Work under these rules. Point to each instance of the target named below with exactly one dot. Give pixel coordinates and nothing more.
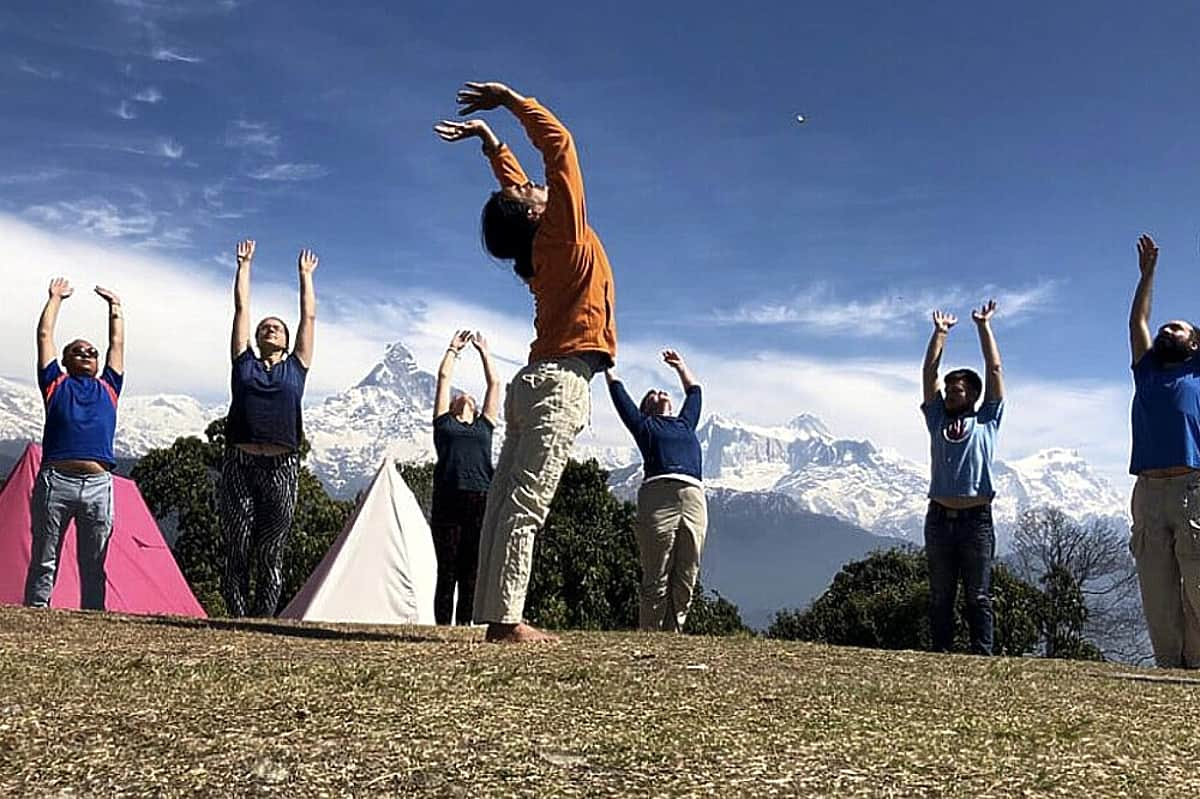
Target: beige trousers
(1166, 523)
(545, 408)
(672, 518)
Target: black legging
(257, 500)
(456, 519)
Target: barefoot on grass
(518, 634)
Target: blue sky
(950, 154)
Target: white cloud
(252, 135)
(32, 176)
(178, 314)
(169, 238)
(96, 216)
(290, 171)
(125, 111)
(149, 95)
(45, 73)
(817, 309)
(179, 318)
(169, 148)
(167, 54)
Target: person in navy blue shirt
(1166, 460)
(261, 472)
(75, 480)
(672, 512)
(960, 540)
(462, 436)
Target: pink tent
(142, 574)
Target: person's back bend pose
(75, 480)
(462, 436)
(544, 231)
(261, 473)
(960, 540)
(1166, 460)
(672, 512)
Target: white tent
(381, 569)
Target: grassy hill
(106, 705)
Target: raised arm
(993, 381)
(306, 264)
(631, 417)
(441, 398)
(59, 290)
(240, 340)
(491, 396)
(942, 322)
(504, 163)
(116, 331)
(690, 412)
(566, 212)
(1140, 339)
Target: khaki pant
(545, 408)
(672, 518)
(1166, 523)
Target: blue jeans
(58, 498)
(960, 543)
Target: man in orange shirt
(544, 231)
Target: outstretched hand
(672, 358)
(984, 314)
(1147, 254)
(108, 296)
(942, 321)
(461, 339)
(245, 251)
(451, 130)
(307, 262)
(480, 343)
(474, 97)
(60, 288)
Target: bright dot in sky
(800, 118)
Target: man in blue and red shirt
(75, 481)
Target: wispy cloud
(169, 148)
(96, 216)
(167, 54)
(125, 111)
(258, 136)
(45, 73)
(819, 310)
(289, 171)
(33, 176)
(149, 95)
(171, 238)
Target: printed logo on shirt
(957, 430)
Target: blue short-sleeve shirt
(266, 403)
(962, 448)
(81, 415)
(1165, 414)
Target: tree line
(1067, 591)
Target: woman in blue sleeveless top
(261, 472)
(672, 512)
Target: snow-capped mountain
(388, 414)
(144, 422)
(873, 487)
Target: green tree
(713, 614)
(1064, 616)
(882, 602)
(586, 571)
(179, 486)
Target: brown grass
(104, 705)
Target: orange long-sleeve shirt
(572, 284)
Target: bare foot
(518, 634)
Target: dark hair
(508, 232)
(645, 400)
(287, 334)
(968, 376)
(1194, 338)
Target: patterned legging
(257, 500)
